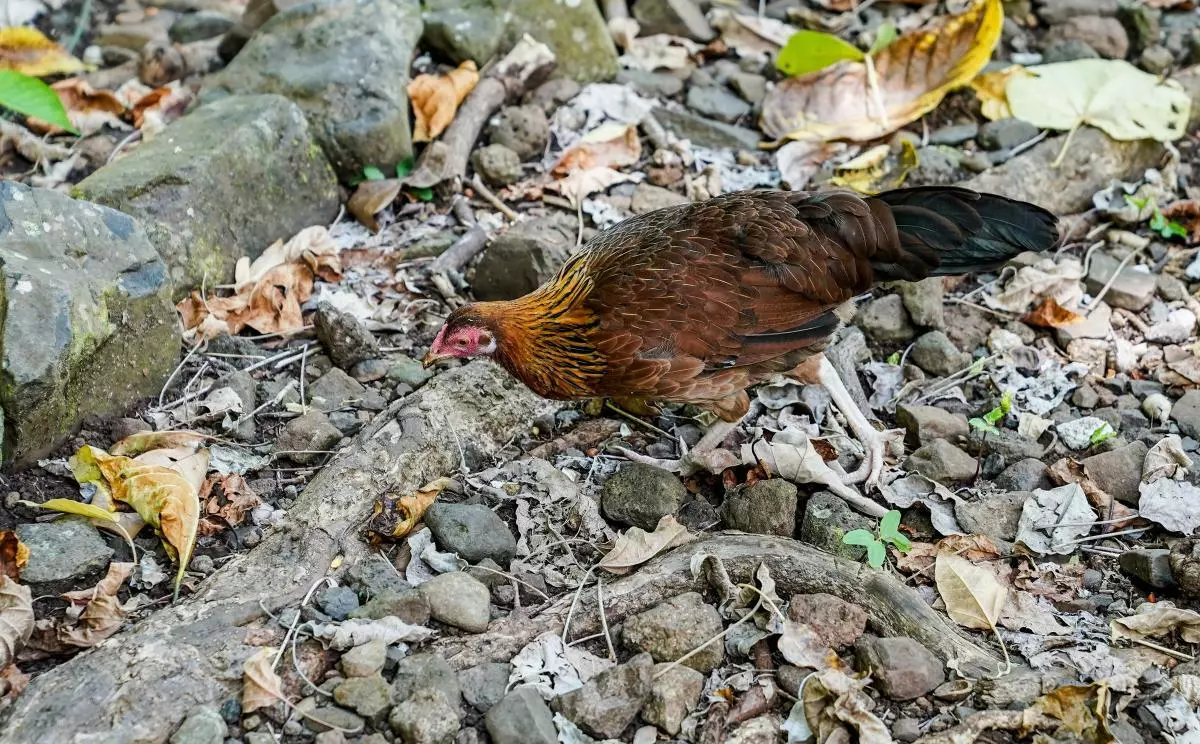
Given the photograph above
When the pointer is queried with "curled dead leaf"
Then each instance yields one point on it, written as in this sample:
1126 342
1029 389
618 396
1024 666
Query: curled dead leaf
261 686
227 500
832 701
990 88
1050 314
395 517
16 619
637 546
372 197
973 595
1156 622
93 615
583 183
611 145
28 51
88 109
435 99
13 555
144 441
911 76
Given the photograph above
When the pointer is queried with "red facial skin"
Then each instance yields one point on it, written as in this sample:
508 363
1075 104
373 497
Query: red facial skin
464 342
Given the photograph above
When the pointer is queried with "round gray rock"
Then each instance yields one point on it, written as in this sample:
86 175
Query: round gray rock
473 531
458 599
641 495
766 508
673 628
61 554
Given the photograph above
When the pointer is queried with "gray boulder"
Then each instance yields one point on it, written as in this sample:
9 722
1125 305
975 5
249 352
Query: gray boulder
465 29
528 254
575 31
86 322
223 182
345 63
62 554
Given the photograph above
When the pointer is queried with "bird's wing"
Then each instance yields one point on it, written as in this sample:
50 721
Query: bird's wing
735 281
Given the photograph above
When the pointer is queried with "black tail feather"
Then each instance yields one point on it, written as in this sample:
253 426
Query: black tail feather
945 230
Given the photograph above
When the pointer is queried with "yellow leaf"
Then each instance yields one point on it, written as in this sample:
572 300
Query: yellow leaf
974 597
989 89
262 687
99 516
866 100
435 99
395 517
28 51
144 441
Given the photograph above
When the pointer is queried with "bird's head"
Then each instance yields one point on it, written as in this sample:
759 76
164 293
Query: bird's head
466 334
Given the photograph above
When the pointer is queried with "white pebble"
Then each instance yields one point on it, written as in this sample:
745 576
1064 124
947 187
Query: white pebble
1177 328
1000 341
1077 434
1157 408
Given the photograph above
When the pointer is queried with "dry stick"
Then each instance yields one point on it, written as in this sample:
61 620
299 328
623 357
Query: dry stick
460 254
612 653
291 357
490 197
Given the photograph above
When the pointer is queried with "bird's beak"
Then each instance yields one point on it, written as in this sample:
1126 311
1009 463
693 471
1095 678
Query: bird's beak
432 359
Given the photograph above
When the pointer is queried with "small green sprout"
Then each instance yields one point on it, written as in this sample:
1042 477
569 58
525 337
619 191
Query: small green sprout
889 532
988 421
404 167
1102 434
371 173
894 359
1158 223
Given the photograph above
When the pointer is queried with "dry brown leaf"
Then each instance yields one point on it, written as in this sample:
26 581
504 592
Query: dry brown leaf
583 183
262 687
313 246
394 517
94 614
27 50
973 595
370 198
156 109
13 555
973 548
12 682
1080 709
803 647
89 110
1054 581
838 102
227 499
637 546
1187 213
435 99
611 145
16 619
833 700
144 441
1050 314
1158 622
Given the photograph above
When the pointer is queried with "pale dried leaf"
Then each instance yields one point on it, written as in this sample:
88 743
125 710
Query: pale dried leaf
16 619
390 629
802 647
261 686
637 546
974 597
1166 459
1159 621
1052 520
1174 504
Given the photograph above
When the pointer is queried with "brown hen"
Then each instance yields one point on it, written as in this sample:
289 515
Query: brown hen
697 302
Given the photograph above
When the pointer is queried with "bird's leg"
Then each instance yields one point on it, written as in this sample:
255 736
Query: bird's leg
713 437
873 441
687 464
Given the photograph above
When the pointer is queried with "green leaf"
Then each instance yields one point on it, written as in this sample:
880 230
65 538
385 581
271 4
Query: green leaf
886 34
404 167
1102 434
371 173
809 51
979 424
1136 203
1173 230
876 554
894 359
423 193
889 524
30 96
900 541
858 537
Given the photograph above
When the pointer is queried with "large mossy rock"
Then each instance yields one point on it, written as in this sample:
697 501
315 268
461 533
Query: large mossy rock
346 64
465 29
86 322
223 182
574 30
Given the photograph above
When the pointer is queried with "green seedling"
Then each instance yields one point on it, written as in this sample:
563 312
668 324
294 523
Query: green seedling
371 173
1158 223
894 359
1102 434
889 532
988 421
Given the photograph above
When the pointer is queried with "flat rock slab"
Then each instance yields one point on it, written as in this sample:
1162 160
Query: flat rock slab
346 64
86 322
223 182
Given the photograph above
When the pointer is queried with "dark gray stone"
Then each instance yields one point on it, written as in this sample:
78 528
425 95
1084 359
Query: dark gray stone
344 336
937 355
674 693
994 515
463 30
1068 51
1186 413
1106 35
425 671
827 519
483 686
368 696
408 605
473 531
425 718
884 319
338 602
520 260
203 24
955 134
655 84
927 423
1132 290
768 507
902 668
522 129
609 702
706 132
675 17
522 717
1006 133
575 31
499 165
1119 471
62 554
716 103
1025 475
675 627
1151 566
203 725
641 495
307 438
941 461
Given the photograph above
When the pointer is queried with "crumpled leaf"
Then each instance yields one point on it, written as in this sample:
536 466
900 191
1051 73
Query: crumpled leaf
989 89
1081 709
394 517
1050 314
832 699
88 110
28 51
585 182
372 197
14 554
799 160
1111 94
790 455
144 441
347 634
1177 716
313 246
553 668
261 686
436 98
1059 281
1025 611
750 35
803 647
16 619
973 595
838 102
939 500
637 546
650 53
875 170
227 500
973 548
427 561
1174 504
153 110
1166 459
611 145
94 614
1156 622
1041 514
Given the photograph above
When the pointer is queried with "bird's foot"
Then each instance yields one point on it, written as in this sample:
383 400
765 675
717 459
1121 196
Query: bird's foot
875 446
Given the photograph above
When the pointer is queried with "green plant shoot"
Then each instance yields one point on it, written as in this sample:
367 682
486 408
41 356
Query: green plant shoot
29 96
889 532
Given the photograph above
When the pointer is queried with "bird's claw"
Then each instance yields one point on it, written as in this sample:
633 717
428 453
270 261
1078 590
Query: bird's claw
868 472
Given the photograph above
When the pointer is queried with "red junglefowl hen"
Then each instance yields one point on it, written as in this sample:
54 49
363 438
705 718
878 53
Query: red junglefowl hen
697 302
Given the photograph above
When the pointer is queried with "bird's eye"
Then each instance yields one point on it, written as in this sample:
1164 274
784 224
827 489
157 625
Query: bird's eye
461 342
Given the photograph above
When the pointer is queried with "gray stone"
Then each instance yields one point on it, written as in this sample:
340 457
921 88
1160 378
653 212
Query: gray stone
1068 51
520 260
936 165
338 602
1186 413
884 319
827 518
345 63
203 24
1022 686
86 323
62 553
203 725
425 718
923 301
372 575
768 507
499 165
610 701
344 336
408 371
706 132
1119 471
522 717
994 515
336 389
1003 134
1024 475
673 695
425 671
1156 59
223 182
1008 444
1106 35
941 461
1053 12
647 198
306 438
409 605
675 627
837 622
483 686
458 599
675 17
906 729
937 355
717 103
368 695
576 33
364 660
1132 290
927 423
901 668
1097 324
1151 566
653 84
641 495
553 93
473 531
750 86
463 30
522 129
245 387
954 134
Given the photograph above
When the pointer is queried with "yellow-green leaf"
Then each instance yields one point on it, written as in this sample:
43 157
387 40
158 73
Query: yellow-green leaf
809 51
28 50
144 441
97 515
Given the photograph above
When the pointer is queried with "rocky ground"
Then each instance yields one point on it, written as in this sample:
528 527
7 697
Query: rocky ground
383 553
